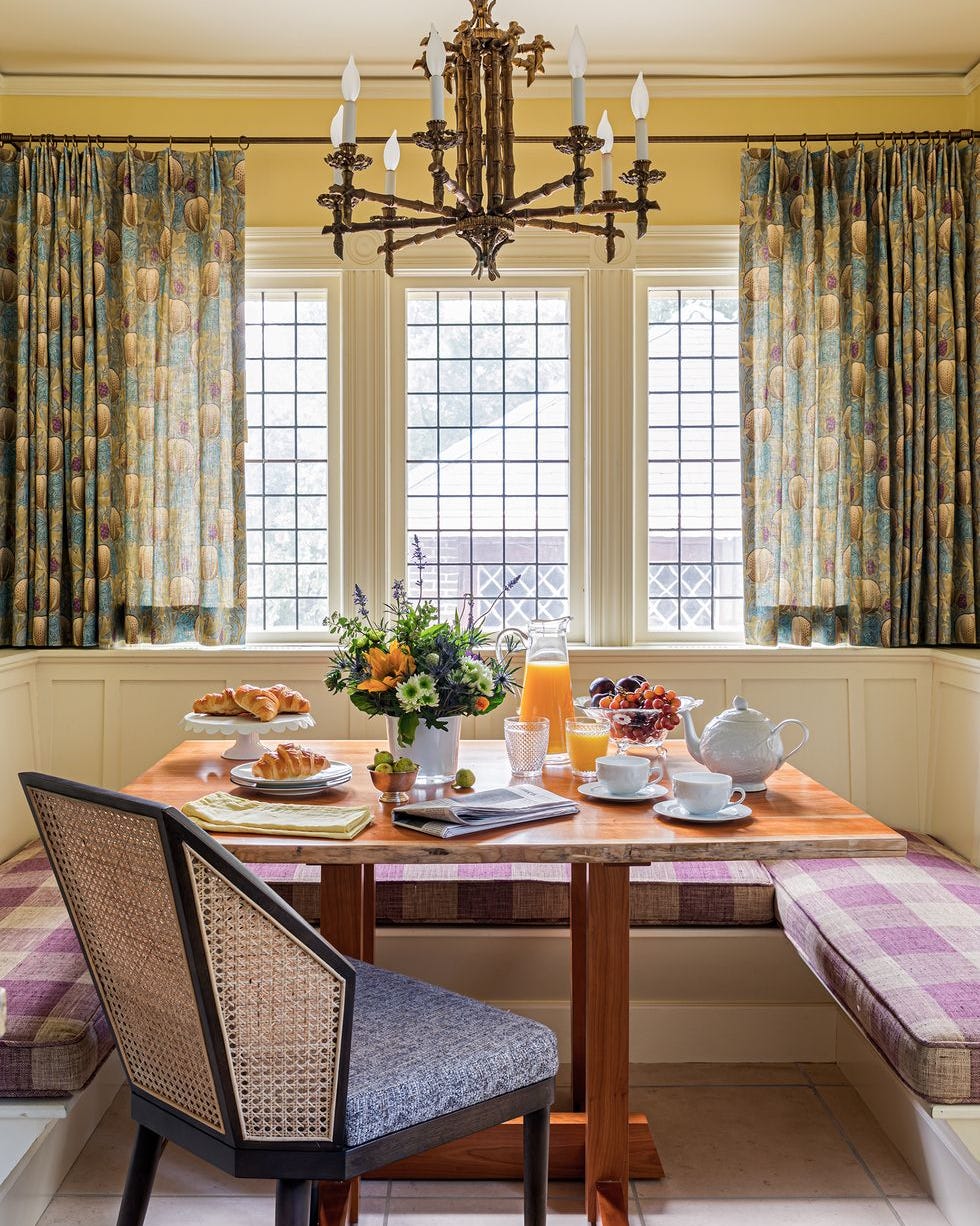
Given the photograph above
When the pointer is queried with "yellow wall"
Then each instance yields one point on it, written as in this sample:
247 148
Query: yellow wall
702 180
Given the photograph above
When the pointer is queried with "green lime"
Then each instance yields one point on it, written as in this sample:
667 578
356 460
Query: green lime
464 778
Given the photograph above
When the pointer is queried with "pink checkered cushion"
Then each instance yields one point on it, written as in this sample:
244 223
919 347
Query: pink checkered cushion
897 941
691 894
57 1035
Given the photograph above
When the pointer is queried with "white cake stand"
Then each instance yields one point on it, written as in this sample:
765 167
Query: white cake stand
247 746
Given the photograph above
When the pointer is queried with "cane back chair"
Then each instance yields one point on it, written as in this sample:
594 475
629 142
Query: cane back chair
248 1040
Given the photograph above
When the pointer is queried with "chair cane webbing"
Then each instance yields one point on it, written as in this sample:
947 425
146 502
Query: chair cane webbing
281 1010
114 877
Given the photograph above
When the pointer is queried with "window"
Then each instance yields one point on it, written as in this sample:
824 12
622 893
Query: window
487 475
286 459
694 550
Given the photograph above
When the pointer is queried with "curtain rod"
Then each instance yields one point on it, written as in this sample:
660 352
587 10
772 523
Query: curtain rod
765 138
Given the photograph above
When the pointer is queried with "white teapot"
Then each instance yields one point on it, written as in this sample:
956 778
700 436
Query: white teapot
742 743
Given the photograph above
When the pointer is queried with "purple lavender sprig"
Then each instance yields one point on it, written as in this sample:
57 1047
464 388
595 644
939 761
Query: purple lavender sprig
419 561
360 600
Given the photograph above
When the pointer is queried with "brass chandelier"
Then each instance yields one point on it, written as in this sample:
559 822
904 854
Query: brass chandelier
478 69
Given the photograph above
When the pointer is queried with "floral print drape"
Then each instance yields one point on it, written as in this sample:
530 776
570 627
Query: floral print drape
860 349
121 396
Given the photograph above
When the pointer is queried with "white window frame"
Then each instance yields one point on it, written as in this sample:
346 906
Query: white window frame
574 284
303 279
608 575
691 258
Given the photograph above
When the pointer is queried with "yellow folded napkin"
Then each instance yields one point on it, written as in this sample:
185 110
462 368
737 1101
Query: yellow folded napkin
221 813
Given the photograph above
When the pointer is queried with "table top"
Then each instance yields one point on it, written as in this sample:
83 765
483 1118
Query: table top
795 818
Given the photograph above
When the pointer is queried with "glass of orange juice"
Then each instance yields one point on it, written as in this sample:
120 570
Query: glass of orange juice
586 740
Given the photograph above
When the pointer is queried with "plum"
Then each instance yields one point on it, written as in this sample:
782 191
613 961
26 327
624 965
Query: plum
627 685
601 685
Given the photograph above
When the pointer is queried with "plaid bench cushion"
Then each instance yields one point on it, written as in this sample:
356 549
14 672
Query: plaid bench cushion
898 943
56 1035
695 894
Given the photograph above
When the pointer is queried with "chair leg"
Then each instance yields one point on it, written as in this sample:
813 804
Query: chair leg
537 1129
143 1162
293 1202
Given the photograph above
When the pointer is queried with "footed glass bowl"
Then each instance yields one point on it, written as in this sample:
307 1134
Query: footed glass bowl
634 727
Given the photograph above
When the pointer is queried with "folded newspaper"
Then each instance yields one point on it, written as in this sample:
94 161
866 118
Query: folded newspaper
447 818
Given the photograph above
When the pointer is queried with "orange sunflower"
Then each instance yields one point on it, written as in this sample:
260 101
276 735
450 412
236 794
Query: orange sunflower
388 668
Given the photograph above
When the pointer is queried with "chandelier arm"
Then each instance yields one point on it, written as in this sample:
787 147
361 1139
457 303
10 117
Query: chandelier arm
546 189
573 227
416 239
402 202
569 210
461 194
377 224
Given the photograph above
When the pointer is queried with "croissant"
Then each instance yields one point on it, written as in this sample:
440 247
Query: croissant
222 703
263 704
290 701
289 761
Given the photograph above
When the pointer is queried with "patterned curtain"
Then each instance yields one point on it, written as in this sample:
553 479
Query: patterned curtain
122 419
860 335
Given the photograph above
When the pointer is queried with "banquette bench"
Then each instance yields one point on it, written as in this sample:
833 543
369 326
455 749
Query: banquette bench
896 942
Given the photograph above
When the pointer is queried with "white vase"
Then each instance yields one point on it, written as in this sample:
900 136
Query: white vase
436 752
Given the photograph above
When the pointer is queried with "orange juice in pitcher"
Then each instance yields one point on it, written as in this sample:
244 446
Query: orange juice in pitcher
547 688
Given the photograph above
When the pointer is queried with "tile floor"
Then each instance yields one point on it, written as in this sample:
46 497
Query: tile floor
743 1145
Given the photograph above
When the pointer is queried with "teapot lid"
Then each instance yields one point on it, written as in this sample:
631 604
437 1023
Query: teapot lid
741 713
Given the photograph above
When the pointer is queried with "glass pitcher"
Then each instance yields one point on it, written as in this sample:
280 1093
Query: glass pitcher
547 678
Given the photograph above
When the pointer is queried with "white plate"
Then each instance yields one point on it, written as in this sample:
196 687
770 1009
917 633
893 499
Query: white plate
331 776
294 793
599 791
674 809
245 773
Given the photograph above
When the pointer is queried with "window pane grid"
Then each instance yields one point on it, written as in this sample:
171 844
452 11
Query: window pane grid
694 533
487 472
286 460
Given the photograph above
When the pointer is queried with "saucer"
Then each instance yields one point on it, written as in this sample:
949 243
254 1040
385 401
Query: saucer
674 809
599 791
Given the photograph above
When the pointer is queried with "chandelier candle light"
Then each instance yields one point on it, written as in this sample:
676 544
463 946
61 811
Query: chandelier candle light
477 67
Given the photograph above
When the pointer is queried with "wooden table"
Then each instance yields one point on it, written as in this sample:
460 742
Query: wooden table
796 817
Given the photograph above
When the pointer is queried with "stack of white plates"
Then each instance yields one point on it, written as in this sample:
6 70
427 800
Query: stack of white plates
332 776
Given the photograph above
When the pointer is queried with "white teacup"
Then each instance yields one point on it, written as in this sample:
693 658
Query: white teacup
625 774
702 792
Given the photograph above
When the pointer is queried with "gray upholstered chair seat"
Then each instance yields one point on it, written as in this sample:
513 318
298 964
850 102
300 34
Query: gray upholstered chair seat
419 1051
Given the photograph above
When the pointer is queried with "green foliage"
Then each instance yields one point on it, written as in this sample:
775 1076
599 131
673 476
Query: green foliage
457 674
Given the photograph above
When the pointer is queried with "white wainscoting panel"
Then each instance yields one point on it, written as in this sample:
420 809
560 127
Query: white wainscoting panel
74 732
19 723
954 775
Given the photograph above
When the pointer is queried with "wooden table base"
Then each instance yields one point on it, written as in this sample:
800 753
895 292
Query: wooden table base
605 1145
497 1153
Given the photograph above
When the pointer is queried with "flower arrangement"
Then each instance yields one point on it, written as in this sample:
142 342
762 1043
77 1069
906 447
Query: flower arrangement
409 664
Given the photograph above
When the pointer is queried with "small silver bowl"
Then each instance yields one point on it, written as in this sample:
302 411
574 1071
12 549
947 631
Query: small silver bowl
393 786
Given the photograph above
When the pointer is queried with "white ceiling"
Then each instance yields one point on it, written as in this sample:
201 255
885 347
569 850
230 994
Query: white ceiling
314 37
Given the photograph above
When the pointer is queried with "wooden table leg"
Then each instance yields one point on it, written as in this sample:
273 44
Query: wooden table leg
607 1041
347 922
577 926
342 907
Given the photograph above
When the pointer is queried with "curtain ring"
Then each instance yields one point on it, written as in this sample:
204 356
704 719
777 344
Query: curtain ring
804 143
211 146
243 144
99 141
880 141
130 144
